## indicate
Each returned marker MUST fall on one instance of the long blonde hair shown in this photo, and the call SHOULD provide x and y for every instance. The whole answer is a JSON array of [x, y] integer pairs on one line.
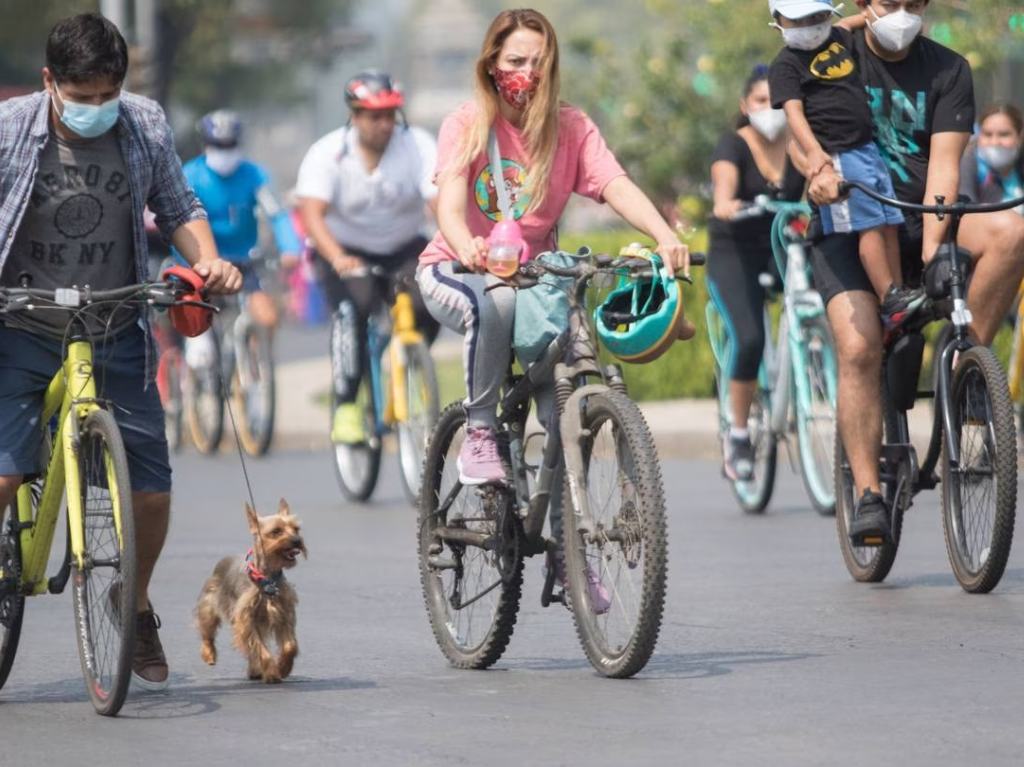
[[540, 127]]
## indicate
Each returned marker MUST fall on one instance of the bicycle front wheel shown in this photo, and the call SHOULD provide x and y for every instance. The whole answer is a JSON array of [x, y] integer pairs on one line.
[[204, 401], [471, 564], [616, 571], [754, 495], [816, 417], [253, 391], [104, 585], [979, 494], [422, 412], [12, 602]]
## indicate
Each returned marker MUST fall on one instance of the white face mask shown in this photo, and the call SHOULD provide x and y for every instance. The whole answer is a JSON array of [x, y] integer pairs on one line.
[[895, 31], [806, 38], [768, 122], [999, 157], [223, 162]]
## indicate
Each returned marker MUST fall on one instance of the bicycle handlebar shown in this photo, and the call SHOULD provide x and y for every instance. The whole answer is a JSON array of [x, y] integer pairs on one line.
[[163, 294], [940, 209], [584, 268]]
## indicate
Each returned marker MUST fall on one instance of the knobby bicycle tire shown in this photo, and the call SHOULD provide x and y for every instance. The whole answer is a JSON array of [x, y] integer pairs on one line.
[[255, 434], [818, 476], [440, 473], [636, 531], [979, 549], [12, 602], [419, 367], [105, 604]]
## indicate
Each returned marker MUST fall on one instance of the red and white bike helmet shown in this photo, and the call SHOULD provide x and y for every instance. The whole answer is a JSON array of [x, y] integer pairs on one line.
[[373, 89]]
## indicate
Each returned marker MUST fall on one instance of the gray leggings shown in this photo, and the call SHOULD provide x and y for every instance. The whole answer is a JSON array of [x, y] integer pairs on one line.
[[485, 318]]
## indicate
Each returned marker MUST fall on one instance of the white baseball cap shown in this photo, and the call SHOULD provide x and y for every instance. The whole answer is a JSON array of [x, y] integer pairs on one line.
[[800, 9]]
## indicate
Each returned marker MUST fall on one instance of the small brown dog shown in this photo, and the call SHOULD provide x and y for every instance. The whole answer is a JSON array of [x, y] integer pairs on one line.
[[253, 596]]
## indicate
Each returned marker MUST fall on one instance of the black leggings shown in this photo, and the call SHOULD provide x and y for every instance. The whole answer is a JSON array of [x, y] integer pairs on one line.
[[733, 282], [353, 300]]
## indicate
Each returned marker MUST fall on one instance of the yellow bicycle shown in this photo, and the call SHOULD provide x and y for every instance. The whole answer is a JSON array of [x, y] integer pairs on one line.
[[399, 395], [85, 464]]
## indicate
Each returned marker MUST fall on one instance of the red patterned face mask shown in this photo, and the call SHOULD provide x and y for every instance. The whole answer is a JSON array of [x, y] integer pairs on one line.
[[517, 88]]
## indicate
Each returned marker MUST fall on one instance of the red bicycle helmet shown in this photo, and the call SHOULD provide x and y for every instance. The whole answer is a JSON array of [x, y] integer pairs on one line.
[[373, 89], [190, 321]]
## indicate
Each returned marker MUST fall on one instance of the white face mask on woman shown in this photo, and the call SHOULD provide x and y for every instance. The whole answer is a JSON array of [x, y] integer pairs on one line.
[[768, 122], [806, 38], [1000, 158], [895, 31]]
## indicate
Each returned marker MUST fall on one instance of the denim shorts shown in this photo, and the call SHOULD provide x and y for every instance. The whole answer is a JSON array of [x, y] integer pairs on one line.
[[28, 363], [858, 212]]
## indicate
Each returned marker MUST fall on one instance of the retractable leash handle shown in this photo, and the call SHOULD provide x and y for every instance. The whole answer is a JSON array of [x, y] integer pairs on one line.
[[194, 320]]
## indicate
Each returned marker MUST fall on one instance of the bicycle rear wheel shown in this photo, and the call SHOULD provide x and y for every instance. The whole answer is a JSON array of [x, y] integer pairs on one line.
[[204, 401], [979, 495], [12, 602], [471, 591], [616, 573], [253, 391], [422, 408], [868, 564], [103, 590], [816, 418]]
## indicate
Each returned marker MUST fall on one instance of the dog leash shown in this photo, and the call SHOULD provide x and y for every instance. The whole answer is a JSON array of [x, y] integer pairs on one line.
[[245, 471]]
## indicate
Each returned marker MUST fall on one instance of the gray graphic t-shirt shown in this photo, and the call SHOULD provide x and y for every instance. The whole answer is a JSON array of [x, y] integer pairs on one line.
[[77, 230]]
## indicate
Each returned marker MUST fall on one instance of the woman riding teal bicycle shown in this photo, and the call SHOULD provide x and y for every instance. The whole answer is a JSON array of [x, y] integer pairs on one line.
[[749, 161]]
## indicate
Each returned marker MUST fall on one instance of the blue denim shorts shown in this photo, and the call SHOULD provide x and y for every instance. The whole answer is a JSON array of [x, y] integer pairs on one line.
[[28, 363], [858, 212]]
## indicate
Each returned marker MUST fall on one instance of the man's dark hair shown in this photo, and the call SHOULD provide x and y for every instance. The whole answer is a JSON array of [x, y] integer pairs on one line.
[[86, 47]]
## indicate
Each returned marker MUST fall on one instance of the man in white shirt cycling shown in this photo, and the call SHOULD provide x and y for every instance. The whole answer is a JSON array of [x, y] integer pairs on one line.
[[363, 191]]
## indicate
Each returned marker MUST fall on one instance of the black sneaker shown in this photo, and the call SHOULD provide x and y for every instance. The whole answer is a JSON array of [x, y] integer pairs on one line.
[[899, 305], [739, 459], [870, 523]]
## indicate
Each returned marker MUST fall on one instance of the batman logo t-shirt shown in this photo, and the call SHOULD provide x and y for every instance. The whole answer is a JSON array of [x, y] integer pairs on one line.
[[828, 82]]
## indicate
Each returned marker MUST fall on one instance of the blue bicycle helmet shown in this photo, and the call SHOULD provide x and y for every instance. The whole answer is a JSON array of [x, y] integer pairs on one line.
[[642, 317], [221, 128]]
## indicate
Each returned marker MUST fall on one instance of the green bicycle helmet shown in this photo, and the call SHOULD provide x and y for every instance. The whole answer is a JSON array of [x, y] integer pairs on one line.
[[641, 318]]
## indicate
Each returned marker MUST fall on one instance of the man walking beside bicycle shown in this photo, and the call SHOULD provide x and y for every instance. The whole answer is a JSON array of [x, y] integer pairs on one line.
[[80, 160], [363, 191], [922, 101]]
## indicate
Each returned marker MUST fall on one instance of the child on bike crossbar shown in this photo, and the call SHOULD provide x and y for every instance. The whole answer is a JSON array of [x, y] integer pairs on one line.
[[815, 79]]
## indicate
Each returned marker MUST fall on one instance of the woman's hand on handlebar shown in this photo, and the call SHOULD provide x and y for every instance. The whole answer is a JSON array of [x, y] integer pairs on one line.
[[675, 254], [824, 187], [473, 254]]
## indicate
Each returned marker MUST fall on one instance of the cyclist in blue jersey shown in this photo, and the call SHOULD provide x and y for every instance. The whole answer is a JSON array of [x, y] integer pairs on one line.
[[233, 189]]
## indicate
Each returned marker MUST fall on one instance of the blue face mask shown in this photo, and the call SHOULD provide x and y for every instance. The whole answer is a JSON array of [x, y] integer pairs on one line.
[[88, 120]]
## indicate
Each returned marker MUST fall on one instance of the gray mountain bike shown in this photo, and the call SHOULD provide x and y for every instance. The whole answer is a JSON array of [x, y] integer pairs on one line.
[[598, 461]]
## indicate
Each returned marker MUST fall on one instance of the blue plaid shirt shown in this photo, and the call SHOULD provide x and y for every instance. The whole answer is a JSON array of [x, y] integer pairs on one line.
[[147, 146]]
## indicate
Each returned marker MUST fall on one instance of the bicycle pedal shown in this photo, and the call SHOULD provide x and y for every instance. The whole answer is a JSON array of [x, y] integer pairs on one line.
[[868, 541]]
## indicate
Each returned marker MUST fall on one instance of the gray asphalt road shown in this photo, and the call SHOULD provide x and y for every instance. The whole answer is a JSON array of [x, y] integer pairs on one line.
[[769, 654]]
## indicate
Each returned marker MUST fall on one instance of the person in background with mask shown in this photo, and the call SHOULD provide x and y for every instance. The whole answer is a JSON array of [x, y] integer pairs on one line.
[[992, 169], [816, 80], [749, 161], [233, 189], [921, 96], [80, 160]]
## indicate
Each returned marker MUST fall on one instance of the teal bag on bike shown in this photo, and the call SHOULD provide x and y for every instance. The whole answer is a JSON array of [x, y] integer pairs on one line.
[[542, 312]]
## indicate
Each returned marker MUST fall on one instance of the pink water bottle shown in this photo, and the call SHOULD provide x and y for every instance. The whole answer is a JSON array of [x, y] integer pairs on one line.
[[506, 249]]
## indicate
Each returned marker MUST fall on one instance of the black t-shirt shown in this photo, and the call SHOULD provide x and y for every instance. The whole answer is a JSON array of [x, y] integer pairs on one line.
[[930, 91], [828, 82], [734, 149]]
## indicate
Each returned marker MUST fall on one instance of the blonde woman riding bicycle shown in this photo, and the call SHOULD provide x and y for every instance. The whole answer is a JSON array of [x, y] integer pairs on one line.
[[548, 150]]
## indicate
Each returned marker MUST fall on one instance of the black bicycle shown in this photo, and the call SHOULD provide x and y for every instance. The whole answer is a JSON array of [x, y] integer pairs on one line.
[[598, 461], [972, 439]]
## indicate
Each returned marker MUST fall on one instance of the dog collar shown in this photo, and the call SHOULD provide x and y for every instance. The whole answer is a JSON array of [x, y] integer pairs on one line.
[[269, 584]]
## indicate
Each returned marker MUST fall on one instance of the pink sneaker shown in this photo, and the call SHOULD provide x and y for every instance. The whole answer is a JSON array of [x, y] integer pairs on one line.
[[600, 599], [478, 462]]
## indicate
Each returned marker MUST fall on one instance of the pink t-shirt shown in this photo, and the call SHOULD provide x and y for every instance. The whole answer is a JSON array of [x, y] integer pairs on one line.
[[583, 164]]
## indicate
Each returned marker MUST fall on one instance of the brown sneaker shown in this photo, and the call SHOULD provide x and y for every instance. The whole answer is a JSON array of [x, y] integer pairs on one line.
[[149, 664]]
